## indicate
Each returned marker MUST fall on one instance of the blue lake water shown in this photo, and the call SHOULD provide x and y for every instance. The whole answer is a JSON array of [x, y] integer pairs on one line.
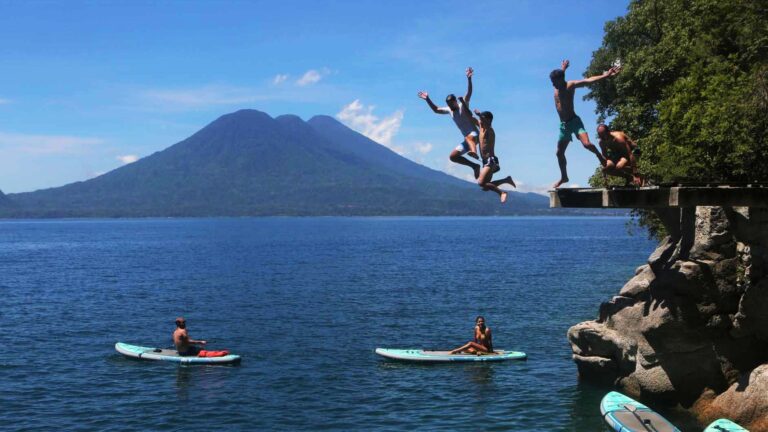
[[305, 301]]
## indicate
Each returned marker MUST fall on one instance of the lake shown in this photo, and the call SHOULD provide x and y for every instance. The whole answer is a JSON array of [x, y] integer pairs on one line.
[[305, 301]]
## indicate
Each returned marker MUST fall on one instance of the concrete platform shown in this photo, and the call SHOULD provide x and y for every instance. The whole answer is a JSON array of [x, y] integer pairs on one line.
[[657, 197]]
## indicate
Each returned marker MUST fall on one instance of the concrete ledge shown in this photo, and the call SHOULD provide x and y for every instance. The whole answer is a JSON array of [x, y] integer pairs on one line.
[[660, 197]]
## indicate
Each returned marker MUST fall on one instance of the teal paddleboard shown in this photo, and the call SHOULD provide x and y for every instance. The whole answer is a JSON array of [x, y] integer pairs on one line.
[[724, 425], [624, 414], [417, 355], [147, 353]]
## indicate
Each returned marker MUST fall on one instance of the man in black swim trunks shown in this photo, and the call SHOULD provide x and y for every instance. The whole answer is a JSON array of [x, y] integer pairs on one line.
[[488, 153], [570, 123], [184, 345], [620, 153]]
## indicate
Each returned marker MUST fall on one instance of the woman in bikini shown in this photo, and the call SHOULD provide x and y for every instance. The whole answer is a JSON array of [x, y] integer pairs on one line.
[[482, 344]]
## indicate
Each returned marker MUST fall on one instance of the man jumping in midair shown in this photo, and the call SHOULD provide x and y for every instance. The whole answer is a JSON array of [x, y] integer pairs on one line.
[[458, 108], [490, 161], [570, 123]]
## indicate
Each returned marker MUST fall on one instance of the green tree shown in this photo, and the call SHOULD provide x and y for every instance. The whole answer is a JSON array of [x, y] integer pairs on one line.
[[693, 91]]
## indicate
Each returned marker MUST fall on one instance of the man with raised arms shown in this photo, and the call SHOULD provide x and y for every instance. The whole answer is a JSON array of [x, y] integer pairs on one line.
[[620, 154], [490, 161], [458, 108], [570, 123]]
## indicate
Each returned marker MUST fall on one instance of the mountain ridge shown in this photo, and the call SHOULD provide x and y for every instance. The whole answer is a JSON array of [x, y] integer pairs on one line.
[[248, 163]]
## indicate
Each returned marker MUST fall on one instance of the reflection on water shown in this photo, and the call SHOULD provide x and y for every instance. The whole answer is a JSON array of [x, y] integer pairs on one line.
[[183, 381], [480, 374]]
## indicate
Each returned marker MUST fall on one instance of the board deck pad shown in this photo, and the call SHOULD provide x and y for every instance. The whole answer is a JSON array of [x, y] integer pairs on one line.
[[171, 355], [418, 355], [624, 414]]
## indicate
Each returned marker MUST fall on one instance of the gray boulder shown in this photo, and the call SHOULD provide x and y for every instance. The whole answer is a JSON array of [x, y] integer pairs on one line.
[[689, 325]]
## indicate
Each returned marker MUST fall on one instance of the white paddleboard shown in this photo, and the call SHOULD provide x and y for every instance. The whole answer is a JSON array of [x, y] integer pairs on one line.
[[417, 355], [147, 353]]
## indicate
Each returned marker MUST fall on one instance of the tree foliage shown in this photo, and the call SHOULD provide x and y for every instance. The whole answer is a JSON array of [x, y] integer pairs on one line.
[[693, 90]]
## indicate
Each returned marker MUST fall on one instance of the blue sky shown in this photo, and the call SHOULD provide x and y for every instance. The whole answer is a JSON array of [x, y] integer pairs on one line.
[[89, 86]]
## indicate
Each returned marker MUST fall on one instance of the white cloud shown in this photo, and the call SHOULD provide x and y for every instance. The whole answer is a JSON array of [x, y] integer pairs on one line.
[[4, 101], [200, 97], [46, 144], [361, 118], [126, 159], [279, 79], [312, 76], [423, 148], [459, 171], [541, 189]]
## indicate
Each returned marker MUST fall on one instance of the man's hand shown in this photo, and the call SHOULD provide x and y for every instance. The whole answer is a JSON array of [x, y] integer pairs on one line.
[[202, 342], [564, 65], [424, 95], [470, 71], [477, 112], [613, 71]]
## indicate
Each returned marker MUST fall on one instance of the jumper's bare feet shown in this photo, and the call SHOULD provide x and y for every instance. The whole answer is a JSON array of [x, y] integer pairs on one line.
[[503, 197], [476, 169], [560, 182], [473, 155]]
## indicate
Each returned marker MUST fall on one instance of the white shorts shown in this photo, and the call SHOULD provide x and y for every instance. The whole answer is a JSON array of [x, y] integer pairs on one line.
[[463, 148]]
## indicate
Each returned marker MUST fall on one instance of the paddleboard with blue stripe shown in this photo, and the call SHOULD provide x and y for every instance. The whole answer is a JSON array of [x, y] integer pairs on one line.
[[160, 354], [724, 425], [417, 355], [624, 414]]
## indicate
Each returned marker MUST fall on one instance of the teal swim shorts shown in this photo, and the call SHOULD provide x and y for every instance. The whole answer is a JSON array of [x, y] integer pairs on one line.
[[572, 126]]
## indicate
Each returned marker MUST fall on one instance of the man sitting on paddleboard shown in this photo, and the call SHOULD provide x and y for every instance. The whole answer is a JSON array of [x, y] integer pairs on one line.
[[482, 344], [184, 345]]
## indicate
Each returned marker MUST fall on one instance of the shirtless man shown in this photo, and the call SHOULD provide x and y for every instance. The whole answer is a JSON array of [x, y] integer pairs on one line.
[[490, 161], [459, 111], [570, 123], [184, 345], [481, 344], [620, 154]]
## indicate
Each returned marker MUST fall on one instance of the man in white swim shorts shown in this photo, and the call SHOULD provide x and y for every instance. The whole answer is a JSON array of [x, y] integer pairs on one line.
[[458, 108]]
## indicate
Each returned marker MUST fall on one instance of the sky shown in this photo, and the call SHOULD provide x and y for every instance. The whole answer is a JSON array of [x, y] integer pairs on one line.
[[86, 87]]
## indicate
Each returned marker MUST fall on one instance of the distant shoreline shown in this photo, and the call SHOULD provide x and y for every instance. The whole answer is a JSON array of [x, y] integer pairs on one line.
[[626, 215]]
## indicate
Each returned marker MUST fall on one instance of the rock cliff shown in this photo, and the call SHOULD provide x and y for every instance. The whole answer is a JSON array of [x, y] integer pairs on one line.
[[691, 327]]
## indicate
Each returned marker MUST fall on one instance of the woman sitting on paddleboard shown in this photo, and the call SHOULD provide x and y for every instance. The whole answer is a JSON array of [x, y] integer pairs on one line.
[[483, 343]]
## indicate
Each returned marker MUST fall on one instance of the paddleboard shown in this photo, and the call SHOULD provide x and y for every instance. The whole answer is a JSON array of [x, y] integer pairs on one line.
[[724, 425], [624, 414], [147, 353], [417, 355]]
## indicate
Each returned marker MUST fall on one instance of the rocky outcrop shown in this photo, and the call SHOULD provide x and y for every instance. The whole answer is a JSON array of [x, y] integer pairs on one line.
[[746, 400], [692, 324]]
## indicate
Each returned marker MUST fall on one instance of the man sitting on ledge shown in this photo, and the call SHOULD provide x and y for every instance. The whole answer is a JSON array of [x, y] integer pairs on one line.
[[620, 154]]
